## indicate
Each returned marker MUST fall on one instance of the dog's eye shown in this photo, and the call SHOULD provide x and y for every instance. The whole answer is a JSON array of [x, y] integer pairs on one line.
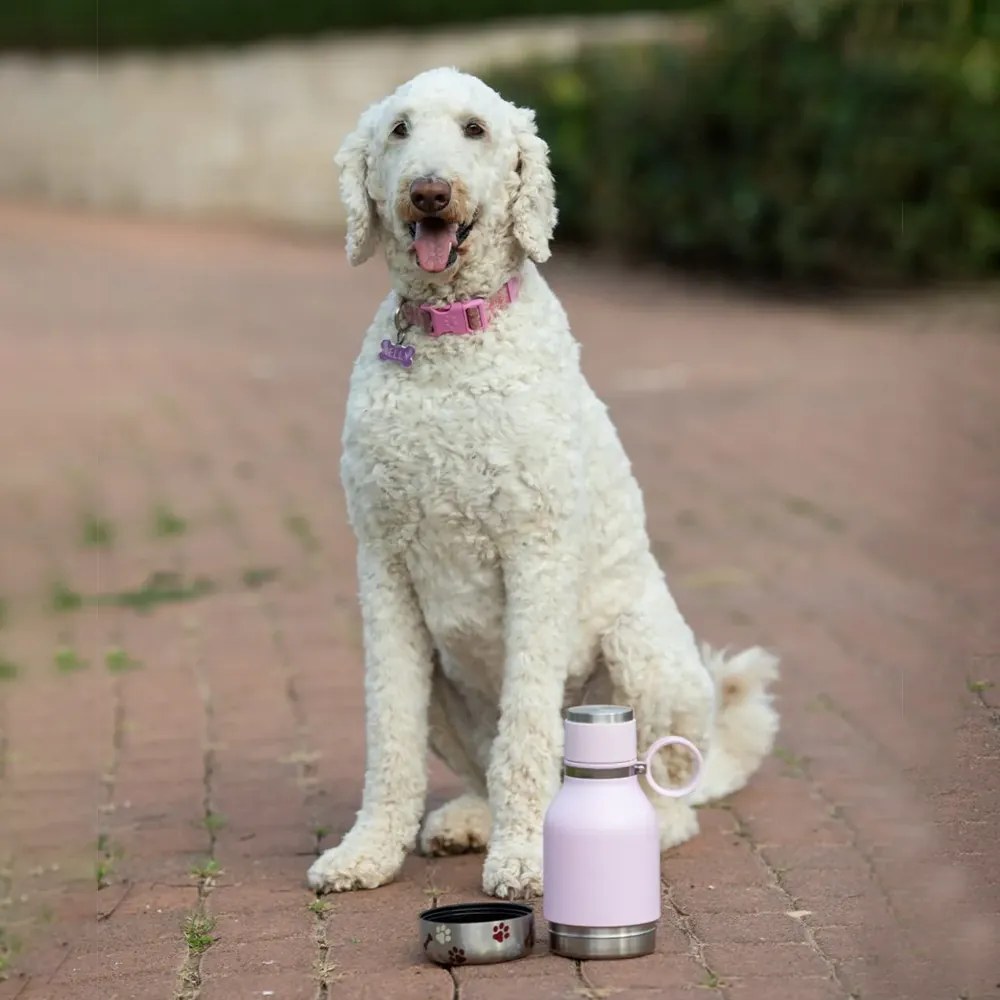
[[400, 130], [474, 130]]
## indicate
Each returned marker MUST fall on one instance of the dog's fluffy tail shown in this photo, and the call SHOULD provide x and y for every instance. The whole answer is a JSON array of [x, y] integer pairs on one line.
[[745, 722]]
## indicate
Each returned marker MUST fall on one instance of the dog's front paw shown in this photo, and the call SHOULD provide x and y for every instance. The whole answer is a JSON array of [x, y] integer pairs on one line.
[[356, 863], [513, 871]]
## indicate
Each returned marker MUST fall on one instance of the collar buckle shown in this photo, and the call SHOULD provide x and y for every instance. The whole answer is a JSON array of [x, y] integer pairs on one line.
[[457, 317], [464, 317]]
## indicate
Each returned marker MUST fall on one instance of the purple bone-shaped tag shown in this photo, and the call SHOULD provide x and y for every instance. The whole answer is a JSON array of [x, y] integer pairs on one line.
[[397, 352]]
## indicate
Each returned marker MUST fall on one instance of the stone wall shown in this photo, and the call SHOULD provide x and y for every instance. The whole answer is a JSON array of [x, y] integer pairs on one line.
[[246, 134]]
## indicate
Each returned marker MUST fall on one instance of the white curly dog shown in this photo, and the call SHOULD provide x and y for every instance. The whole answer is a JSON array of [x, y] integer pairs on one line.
[[503, 561]]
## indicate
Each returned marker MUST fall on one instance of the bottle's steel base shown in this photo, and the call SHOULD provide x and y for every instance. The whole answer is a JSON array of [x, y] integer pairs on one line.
[[602, 942]]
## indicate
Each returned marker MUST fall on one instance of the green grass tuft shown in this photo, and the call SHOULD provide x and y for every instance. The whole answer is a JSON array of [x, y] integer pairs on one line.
[[63, 598], [68, 661], [198, 929], [160, 588], [794, 761], [711, 981], [256, 576], [119, 662], [300, 528], [978, 687], [806, 508], [9, 947], [207, 869], [97, 532], [103, 869], [213, 822], [167, 523]]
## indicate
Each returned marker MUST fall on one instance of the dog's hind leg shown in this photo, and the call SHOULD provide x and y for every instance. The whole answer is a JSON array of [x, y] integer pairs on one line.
[[463, 824], [719, 702], [654, 664], [459, 826]]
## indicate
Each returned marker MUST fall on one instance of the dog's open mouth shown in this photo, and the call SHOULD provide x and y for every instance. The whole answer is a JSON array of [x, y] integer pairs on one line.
[[436, 242]]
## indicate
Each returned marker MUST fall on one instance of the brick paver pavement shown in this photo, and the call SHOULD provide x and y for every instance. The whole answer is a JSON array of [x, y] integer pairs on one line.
[[180, 725]]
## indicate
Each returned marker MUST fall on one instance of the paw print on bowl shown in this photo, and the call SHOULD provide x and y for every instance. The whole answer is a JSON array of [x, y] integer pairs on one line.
[[501, 932], [456, 956], [443, 935]]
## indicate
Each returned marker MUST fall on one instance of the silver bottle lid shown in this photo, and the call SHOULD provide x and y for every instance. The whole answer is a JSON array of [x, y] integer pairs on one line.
[[600, 714]]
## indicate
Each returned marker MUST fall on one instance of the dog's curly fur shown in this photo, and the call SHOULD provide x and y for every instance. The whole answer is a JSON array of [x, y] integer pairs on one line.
[[505, 570]]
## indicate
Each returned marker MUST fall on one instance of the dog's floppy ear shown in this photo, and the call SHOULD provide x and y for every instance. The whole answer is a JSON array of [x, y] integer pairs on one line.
[[352, 159], [534, 205]]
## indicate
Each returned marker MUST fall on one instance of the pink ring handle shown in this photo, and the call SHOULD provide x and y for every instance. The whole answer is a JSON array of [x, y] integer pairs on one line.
[[674, 793]]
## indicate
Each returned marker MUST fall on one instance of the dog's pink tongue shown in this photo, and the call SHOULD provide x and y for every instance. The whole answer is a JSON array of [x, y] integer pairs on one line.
[[433, 242]]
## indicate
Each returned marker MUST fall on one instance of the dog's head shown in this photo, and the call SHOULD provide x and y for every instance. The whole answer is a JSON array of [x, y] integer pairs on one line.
[[451, 179]]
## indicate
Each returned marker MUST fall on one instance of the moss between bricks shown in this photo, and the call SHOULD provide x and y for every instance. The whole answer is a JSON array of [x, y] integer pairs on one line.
[[198, 929], [298, 525], [9, 947], [162, 587], [119, 662], [97, 532], [167, 524], [68, 661]]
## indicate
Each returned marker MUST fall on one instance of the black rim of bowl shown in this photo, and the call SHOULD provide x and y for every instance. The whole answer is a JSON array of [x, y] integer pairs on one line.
[[476, 913]]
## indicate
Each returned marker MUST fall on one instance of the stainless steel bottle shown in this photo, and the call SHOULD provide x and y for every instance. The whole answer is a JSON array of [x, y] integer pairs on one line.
[[601, 844]]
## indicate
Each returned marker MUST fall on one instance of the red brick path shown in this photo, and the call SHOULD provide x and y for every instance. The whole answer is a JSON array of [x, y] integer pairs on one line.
[[824, 480]]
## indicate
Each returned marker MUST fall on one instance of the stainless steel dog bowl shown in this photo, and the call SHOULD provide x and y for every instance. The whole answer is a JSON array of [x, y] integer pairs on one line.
[[477, 933]]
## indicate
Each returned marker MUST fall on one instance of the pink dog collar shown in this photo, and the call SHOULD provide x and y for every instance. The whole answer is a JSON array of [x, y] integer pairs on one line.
[[467, 316]]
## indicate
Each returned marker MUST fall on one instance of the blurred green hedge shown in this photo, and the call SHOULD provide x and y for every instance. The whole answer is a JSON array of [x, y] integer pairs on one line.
[[165, 24], [856, 144]]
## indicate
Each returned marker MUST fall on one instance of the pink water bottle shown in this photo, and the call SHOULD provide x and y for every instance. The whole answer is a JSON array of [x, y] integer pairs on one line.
[[601, 845]]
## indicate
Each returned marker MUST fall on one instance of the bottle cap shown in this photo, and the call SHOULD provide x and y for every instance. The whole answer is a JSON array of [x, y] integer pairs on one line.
[[601, 735], [600, 714]]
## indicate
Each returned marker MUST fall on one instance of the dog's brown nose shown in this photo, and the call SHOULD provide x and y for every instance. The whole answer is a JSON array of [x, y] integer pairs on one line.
[[430, 194]]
